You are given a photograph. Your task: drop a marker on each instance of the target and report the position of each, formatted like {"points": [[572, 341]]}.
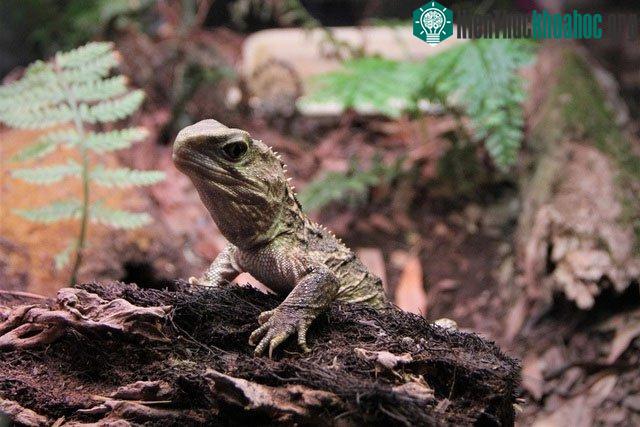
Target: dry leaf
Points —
{"points": [[632, 402], [248, 279], [515, 318], [382, 223], [410, 294], [625, 335], [599, 391], [418, 389], [383, 358], [532, 377], [373, 260], [575, 412]]}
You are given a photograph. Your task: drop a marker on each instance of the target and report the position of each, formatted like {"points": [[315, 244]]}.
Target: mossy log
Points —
{"points": [[116, 354], [579, 230]]}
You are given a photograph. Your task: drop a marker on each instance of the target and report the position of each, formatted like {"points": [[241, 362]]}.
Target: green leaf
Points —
{"points": [[48, 174], [93, 70], [112, 110], [118, 218], [115, 139], [45, 145], [38, 75], [34, 151], [64, 209], [32, 98], [83, 55], [37, 119], [369, 84], [125, 177], [99, 90], [62, 258]]}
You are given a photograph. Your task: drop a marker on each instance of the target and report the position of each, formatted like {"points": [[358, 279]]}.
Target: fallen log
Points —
{"points": [[579, 229], [180, 356]]}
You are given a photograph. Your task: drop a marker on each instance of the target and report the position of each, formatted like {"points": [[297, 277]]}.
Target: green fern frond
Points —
{"points": [[97, 69], [125, 177], [369, 84], [48, 174], [33, 98], [38, 75], [57, 211], [74, 89], [37, 119], [335, 186], [484, 81], [114, 109], [45, 145], [118, 218], [99, 90], [352, 186], [84, 55], [62, 258], [479, 78], [34, 151], [115, 139]]}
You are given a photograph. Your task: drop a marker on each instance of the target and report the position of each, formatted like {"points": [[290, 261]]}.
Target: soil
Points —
{"points": [[470, 380]]}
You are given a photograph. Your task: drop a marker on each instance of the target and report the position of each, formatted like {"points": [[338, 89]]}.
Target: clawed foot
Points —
{"points": [[278, 325]]}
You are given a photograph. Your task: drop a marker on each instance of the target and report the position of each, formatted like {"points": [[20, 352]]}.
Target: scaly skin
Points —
{"points": [[242, 183]]}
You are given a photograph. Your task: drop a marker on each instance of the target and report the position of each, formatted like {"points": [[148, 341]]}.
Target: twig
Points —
{"points": [[23, 294]]}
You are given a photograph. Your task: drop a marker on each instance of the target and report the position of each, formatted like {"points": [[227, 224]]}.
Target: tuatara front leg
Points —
{"points": [[312, 294], [223, 269]]}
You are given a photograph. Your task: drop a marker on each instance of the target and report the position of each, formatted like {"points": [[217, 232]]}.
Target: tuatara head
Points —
{"points": [[240, 180]]}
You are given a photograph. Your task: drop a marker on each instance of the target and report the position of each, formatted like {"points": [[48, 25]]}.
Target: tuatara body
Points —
{"points": [[243, 184]]}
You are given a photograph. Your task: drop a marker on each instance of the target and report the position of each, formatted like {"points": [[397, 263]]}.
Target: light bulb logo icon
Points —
{"points": [[433, 23]]}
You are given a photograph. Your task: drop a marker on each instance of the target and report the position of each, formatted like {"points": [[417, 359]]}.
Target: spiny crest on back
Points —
{"points": [[291, 189]]}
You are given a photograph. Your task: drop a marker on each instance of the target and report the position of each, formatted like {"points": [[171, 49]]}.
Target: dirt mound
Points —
{"points": [[113, 360]]}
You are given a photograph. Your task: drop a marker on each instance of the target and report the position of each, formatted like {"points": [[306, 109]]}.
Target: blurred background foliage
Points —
{"points": [[42, 27]]}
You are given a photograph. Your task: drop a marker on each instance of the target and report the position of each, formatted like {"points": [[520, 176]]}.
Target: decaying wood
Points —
{"points": [[288, 404], [20, 415], [31, 325], [121, 355], [578, 231]]}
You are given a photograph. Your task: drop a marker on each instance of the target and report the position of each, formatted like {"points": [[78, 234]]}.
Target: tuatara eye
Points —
{"points": [[235, 150]]}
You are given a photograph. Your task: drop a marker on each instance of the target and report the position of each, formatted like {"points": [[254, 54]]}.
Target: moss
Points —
{"points": [[586, 111]]}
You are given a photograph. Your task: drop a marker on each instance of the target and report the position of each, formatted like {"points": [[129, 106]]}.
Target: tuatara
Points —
{"points": [[243, 184]]}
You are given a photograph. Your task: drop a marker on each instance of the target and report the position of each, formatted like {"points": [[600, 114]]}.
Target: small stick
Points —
{"points": [[22, 294]]}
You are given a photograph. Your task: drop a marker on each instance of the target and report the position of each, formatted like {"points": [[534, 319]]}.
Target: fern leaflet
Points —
{"points": [[118, 218], [60, 210], [113, 109], [48, 174], [63, 257], [115, 139], [124, 177]]}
